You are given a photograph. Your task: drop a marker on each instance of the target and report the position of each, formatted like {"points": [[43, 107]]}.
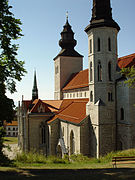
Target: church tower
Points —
{"points": [[68, 61], [102, 41], [35, 89]]}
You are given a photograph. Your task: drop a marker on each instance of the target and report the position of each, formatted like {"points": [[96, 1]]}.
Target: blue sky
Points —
{"points": [[43, 21]]}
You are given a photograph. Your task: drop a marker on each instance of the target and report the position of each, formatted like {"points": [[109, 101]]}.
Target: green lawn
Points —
{"points": [[10, 140], [36, 166]]}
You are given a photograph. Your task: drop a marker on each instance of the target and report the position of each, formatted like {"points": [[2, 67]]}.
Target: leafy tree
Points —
{"points": [[129, 73], [11, 69]]}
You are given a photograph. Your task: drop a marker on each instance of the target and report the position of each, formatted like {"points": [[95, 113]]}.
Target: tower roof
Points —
{"points": [[35, 89], [102, 15], [67, 42]]}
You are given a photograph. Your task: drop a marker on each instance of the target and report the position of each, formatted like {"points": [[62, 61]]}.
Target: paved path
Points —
{"points": [[11, 153]]}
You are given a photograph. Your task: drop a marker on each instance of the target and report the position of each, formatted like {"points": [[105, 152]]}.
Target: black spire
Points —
{"points": [[35, 89], [67, 42], [102, 15]]}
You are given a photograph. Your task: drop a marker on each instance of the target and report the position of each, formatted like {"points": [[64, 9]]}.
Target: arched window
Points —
{"points": [[91, 71], [109, 44], [72, 143], [56, 69], [99, 71], [110, 98], [91, 96], [43, 134], [98, 49], [109, 71], [90, 45], [63, 131], [122, 114]]}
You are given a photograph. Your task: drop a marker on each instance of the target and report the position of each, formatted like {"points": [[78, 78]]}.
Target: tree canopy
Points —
{"points": [[129, 73], [11, 69]]}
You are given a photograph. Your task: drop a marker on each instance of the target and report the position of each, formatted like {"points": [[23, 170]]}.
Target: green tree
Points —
{"points": [[11, 69], [129, 73]]}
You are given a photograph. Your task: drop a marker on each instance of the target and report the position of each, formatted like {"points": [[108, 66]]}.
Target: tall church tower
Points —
{"points": [[35, 89], [68, 61], [102, 39]]}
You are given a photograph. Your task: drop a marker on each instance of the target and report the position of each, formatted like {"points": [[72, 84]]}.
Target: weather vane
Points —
{"points": [[67, 15]]}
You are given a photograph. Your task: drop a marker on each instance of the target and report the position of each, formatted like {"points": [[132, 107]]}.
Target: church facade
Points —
{"points": [[93, 109]]}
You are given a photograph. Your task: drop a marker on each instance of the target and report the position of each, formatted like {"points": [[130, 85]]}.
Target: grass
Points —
{"points": [[73, 162], [37, 166], [10, 140]]}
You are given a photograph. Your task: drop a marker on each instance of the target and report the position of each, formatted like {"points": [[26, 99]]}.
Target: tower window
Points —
{"points": [[99, 71], [91, 96], [109, 44], [122, 114], [91, 71], [98, 49], [110, 98], [90, 45], [56, 69], [109, 71]]}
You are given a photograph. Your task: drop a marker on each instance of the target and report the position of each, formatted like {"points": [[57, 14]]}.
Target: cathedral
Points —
{"points": [[93, 110]]}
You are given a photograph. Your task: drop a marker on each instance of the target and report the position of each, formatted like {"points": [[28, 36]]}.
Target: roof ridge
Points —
{"points": [[68, 116], [127, 56]]}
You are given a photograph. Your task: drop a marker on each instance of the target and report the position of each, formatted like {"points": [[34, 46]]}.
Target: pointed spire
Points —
{"points": [[35, 89], [102, 15], [101, 9]]}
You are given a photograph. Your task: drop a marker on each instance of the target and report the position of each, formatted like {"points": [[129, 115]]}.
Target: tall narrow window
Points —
{"points": [[91, 71], [110, 97], [90, 45], [109, 71], [98, 44], [72, 143], [99, 71], [56, 69], [109, 44], [91, 96], [43, 135], [122, 114]]}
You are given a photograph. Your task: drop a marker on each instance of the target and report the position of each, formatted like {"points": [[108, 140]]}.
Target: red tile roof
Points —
{"points": [[77, 80], [38, 103], [126, 61], [26, 103], [73, 111], [13, 123]]}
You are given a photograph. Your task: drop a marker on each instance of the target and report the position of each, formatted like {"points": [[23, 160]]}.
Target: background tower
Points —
{"points": [[102, 39], [35, 89], [68, 61]]}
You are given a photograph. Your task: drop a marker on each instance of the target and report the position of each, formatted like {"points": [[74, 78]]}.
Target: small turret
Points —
{"points": [[35, 89]]}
